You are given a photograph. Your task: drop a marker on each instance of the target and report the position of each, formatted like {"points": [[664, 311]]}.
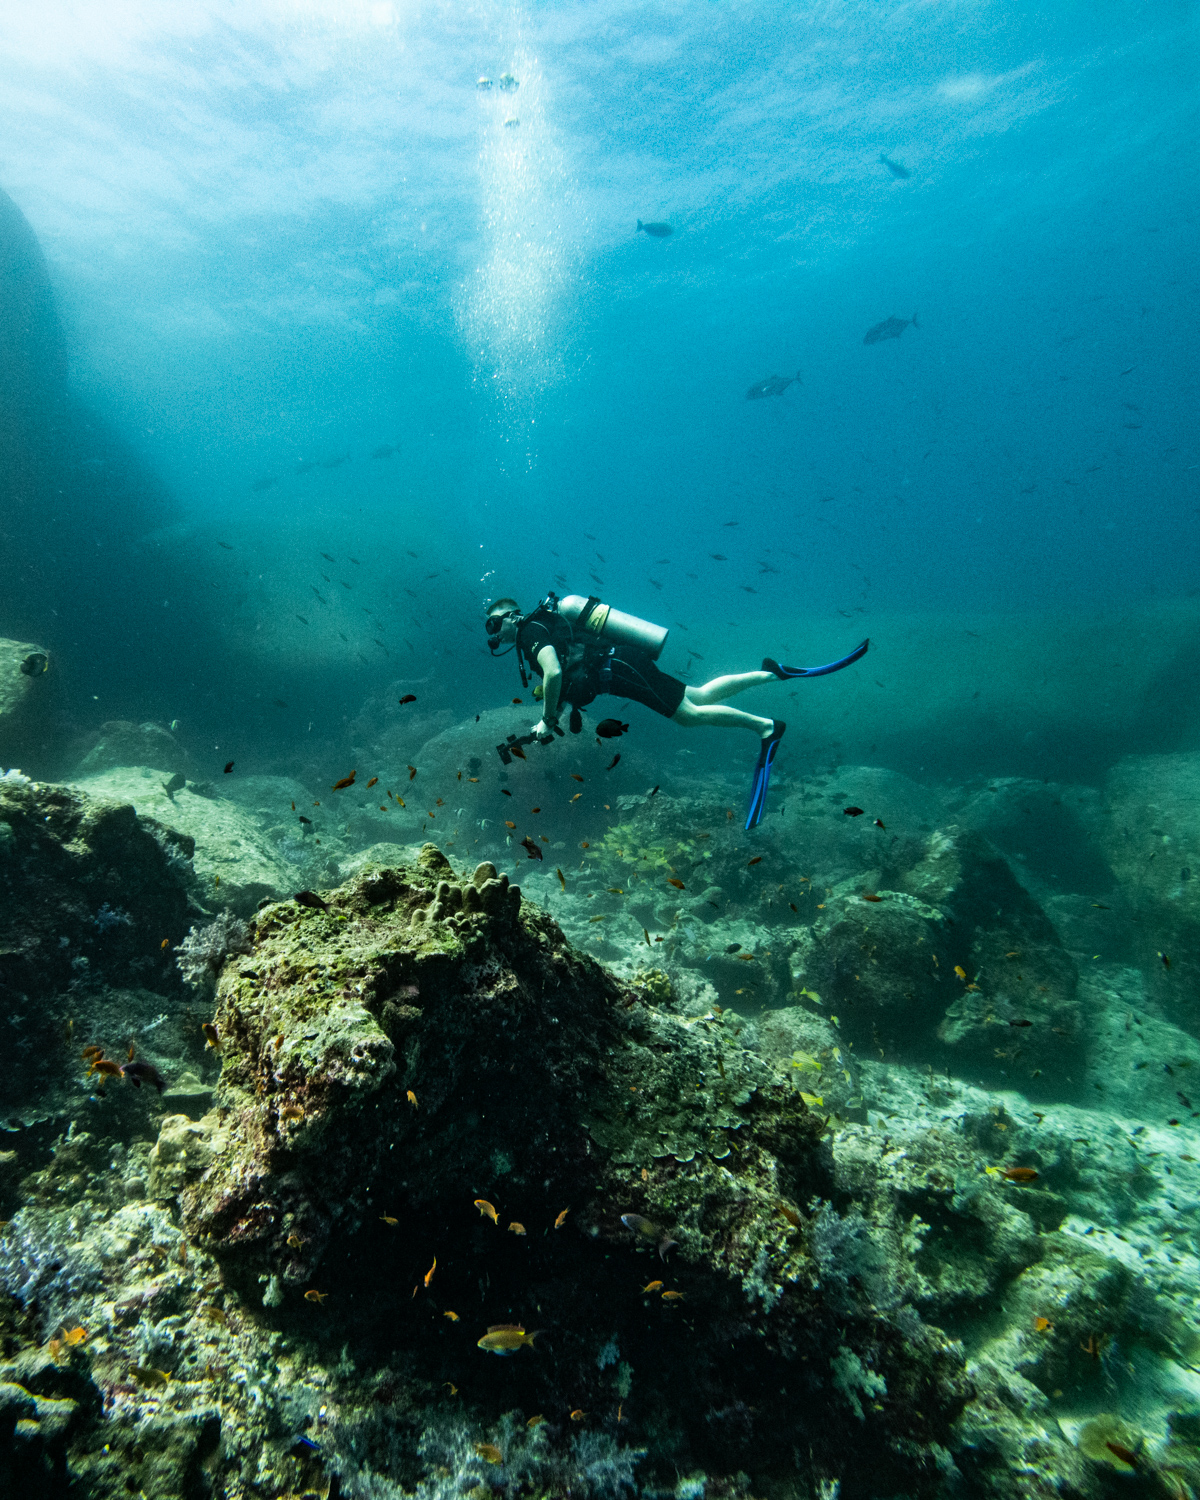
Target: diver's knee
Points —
{"points": [[685, 715]]}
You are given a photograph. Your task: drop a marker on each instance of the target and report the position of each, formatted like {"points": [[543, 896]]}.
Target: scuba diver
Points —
{"points": [[581, 648]]}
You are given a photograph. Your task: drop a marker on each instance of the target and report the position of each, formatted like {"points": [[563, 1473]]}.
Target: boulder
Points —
{"points": [[235, 863], [123, 743], [25, 687]]}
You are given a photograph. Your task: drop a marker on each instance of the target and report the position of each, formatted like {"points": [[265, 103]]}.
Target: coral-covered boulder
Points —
{"points": [[436, 1114]]}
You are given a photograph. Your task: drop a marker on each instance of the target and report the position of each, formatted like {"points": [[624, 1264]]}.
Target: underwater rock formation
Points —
{"points": [[25, 695]]}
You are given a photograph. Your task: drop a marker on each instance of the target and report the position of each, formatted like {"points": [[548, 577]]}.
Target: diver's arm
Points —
{"points": [[547, 659]]}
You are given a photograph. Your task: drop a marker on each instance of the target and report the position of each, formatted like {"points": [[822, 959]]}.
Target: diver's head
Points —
{"points": [[502, 622]]}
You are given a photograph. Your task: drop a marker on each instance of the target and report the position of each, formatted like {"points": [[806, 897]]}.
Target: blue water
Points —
{"points": [[279, 235]]}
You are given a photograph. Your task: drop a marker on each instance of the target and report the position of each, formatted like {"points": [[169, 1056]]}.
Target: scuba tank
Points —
{"points": [[590, 618]]}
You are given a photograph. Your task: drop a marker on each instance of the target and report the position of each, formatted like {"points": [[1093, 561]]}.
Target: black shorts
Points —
{"points": [[635, 676]]}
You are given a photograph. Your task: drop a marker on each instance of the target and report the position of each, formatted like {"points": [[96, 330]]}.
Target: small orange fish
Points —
{"points": [[1019, 1174], [1041, 1324], [535, 810], [1126, 1455], [576, 797], [488, 1451], [92, 1051], [790, 1215], [315, 1296], [412, 773], [961, 972], [652, 1286], [389, 1220], [757, 860], [677, 883], [871, 896], [412, 1099], [129, 1058], [166, 943], [578, 1415], [291, 1112], [488, 1211], [294, 1241], [105, 1066], [515, 1228], [73, 1337], [575, 777], [431, 1270], [441, 802], [562, 879], [508, 823], [211, 1039], [373, 782], [451, 1387], [585, 845], [672, 1296], [562, 1218], [472, 778], [453, 1316], [535, 1421], [346, 781]]}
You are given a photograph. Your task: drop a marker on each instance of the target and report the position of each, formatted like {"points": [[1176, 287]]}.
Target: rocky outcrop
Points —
{"points": [[25, 695]]}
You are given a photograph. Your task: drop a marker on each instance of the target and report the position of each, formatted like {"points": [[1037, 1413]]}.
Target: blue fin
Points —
{"points": [[762, 774], [770, 665]]}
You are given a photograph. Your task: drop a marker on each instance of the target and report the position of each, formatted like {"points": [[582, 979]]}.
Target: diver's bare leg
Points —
{"points": [[721, 688], [692, 715]]}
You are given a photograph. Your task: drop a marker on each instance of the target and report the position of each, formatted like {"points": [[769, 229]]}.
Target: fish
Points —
{"points": [[790, 1214], [894, 167], [1020, 1023], [653, 792], [890, 328], [412, 1099], [346, 781], [303, 819], [677, 883], [535, 1421], [488, 1211], [773, 385], [176, 784], [489, 1453], [733, 948], [853, 812], [646, 935], [646, 1229], [144, 1072], [315, 1296], [652, 1286], [1166, 962], [311, 900], [228, 767], [327, 557], [294, 1241], [1019, 1174], [611, 729], [718, 557], [532, 849], [211, 1039], [578, 1415], [576, 797], [1126, 1455], [302, 620], [508, 823], [73, 1337], [145, 1375], [409, 698], [291, 1112], [660, 231], [516, 1228], [431, 1270], [561, 1219], [91, 1051], [612, 765], [672, 1296], [1042, 1324], [105, 1067], [871, 896], [389, 1220], [412, 773], [562, 879], [757, 860], [879, 823], [960, 971], [506, 1338], [453, 1316], [575, 776]]}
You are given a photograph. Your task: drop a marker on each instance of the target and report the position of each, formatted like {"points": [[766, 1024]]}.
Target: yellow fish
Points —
{"points": [[412, 1099], [431, 1270], [515, 1228], [652, 1286], [453, 1316], [488, 1211], [506, 1338], [489, 1453], [960, 971], [562, 1218]]}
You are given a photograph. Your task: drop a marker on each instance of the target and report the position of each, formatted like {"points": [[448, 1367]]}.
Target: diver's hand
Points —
{"points": [[544, 731]]}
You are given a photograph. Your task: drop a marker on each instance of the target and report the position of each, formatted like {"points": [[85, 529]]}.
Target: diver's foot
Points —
{"points": [[775, 733], [771, 665]]}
